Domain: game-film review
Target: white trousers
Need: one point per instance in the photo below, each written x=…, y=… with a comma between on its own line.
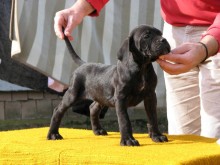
x=193, y=98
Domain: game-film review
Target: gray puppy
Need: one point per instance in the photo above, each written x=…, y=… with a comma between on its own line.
x=123, y=85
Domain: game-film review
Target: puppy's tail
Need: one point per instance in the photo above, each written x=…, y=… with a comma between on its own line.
x=72, y=52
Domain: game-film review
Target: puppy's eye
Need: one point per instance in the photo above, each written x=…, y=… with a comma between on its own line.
x=146, y=36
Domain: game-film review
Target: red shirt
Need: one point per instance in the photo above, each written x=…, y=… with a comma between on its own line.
x=184, y=12
x=189, y=12
x=193, y=12
x=98, y=5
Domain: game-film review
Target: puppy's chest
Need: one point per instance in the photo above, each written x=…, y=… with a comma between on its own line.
x=136, y=93
x=135, y=97
x=141, y=86
x=137, y=89
x=138, y=84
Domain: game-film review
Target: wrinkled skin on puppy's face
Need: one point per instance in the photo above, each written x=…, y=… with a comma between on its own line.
x=149, y=41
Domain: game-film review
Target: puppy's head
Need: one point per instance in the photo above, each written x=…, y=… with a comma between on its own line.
x=146, y=42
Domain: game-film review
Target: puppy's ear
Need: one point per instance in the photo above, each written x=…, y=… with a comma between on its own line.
x=131, y=43
x=132, y=47
x=137, y=54
x=123, y=50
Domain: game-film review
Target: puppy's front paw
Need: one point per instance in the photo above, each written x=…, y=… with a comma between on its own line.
x=54, y=136
x=159, y=138
x=129, y=142
x=100, y=132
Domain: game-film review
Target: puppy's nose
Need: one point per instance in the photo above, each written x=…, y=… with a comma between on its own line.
x=162, y=40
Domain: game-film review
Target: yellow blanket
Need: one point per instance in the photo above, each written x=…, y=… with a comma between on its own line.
x=30, y=146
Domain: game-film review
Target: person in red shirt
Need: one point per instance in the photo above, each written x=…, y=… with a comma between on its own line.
x=192, y=69
x=192, y=79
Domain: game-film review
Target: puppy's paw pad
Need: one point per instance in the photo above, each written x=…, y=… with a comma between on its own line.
x=100, y=132
x=159, y=138
x=55, y=136
x=129, y=142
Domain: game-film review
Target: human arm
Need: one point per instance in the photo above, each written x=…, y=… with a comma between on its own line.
x=71, y=17
x=189, y=55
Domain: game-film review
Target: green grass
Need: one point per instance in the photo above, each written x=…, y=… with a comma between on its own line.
x=21, y=124
x=72, y=120
x=6, y=125
x=138, y=125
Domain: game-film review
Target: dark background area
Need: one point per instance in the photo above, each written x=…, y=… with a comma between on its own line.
x=11, y=70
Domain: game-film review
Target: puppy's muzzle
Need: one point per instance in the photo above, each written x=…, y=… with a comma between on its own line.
x=161, y=47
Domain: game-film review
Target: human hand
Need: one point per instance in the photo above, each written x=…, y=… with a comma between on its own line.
x=188, y=55
x=67, y=19
x=182, y=58
x=70, y=18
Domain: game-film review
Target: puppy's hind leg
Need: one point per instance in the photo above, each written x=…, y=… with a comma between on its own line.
x=95, y=109
x=68, y=99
